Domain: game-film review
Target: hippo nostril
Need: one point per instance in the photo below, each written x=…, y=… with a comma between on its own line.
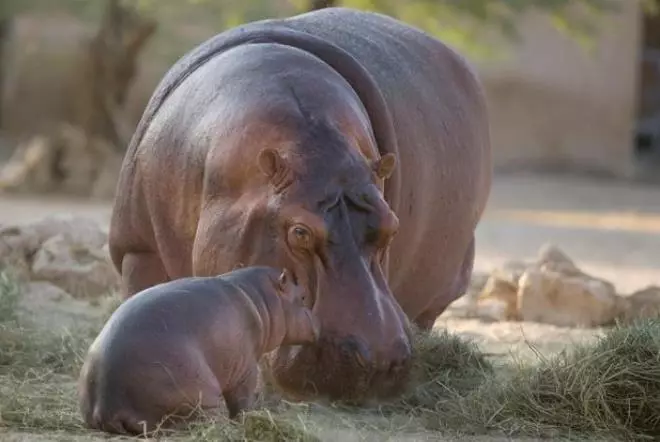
x=354, y=348
x=396, y=367
x=362, y=362
x=400, y=366
x=404, y=350
x=402, y=357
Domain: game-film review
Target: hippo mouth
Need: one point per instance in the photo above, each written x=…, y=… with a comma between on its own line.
x=333, y=369
x=315, y=325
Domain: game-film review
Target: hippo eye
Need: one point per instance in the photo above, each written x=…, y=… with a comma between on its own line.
x=300, y=236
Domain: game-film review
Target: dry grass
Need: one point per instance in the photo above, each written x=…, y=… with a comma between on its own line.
x=446, y=366
x=258, y=425
x=608, y=391
x=37, y=369
x=24, y=347
x=10, y=293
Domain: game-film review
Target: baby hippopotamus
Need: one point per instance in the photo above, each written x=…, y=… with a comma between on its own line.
x=179, y=346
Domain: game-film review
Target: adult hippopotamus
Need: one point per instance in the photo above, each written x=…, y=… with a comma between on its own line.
x=345, y=146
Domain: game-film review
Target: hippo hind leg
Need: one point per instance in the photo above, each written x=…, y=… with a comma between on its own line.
x=126, y=422
x=207, y=405
x=87, y=391
x=175, y=412
x=102, y=419
x=141, y=270
x=426, y=320
x=176, y=418
x=179, y=389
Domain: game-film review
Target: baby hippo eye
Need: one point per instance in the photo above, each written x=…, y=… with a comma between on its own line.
x=300, y=236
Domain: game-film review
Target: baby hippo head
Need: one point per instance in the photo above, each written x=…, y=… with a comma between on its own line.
x=301, y=326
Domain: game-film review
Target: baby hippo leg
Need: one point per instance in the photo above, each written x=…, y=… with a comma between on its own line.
x=241, y=397
x=169, y=396
x=160, y=390
x=176, y=408
x=160, y=407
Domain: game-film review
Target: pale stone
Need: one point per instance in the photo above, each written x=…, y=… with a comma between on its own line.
x=498, y=300
x=50, y=307
x=69, y=252
x=555, y=298
x=511, y=271
x=31, y=236
x=78, y=267
x=644, y=303
x=478, y=281
x=553, y=259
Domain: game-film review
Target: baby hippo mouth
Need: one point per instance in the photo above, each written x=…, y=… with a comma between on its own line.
x=341, y=369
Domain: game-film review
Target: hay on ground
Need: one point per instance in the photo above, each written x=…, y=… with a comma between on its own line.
x=445, y=366
x=257, y=425
x=10, y=293
x=610, y=389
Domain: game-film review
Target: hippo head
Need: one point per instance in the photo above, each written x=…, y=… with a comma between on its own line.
x=331, y=228
x=300, y=325
x=299, y=185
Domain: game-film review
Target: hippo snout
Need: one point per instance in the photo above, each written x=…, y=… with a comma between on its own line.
x=366, y=370
x=347, y=368
x=355, y=348
x=400, y=355
x=394, y=357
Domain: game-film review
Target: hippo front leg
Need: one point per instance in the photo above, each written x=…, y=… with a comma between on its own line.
x=242, y=396
x=141, y=270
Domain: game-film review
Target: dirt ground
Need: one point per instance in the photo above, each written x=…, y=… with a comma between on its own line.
x=610, y=229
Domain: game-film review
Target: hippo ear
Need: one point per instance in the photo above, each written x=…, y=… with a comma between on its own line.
x=284, y=280
x=272, y=164
x=384, y=166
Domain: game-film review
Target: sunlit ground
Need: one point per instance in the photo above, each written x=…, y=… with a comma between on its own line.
x=611, y=229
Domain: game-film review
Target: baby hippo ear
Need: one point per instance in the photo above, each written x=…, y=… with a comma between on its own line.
x=384, y=166
x=272, y=165
x=284, y=281
x=289, y=289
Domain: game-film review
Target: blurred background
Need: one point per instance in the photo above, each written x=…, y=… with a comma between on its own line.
x=573, y=88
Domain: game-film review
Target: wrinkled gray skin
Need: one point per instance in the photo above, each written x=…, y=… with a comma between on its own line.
x=189, y=343
x=345, y=146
